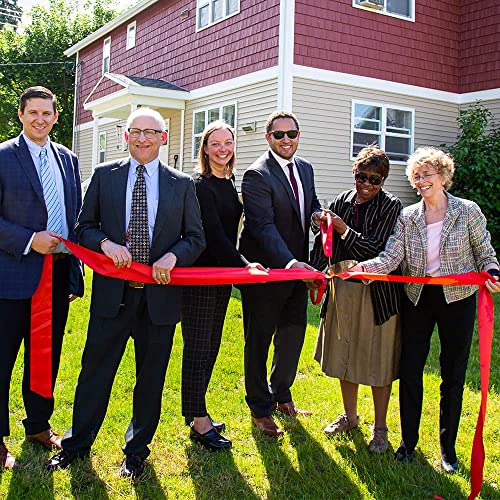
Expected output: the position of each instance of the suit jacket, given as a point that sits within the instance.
(272, 231)
(177, 229)
(464, 246)
(23, 211)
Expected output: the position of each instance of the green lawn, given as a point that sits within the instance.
(305, 464)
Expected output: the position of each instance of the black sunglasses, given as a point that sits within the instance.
(374, 180)
(279, 134)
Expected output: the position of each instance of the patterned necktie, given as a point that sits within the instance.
(138, 229)
(293, 182)
(52, 202)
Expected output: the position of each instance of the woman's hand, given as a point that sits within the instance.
(256, 265)
(493, 284)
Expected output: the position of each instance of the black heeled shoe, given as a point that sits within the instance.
(218, 426)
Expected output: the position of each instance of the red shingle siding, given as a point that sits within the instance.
(479, 45)
(169, 48)
(336, 36)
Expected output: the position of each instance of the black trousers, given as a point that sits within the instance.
(203, 313)
(455, 323)
(104, 348)
(15, 324)
(272, 312)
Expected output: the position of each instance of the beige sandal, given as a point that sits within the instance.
(341, 424)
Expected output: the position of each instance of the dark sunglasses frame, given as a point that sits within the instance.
(279, 134)
(374, 180)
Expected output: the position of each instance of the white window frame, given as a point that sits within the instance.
(203, 3)
(383, 129)
(101, 152)
(206, 109)
(131, 43)
(411, 17)
(106, 55)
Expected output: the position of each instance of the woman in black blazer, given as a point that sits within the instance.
(204, 307)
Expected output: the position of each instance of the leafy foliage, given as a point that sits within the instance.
(477, 160)
(10, 13)
(36, 57)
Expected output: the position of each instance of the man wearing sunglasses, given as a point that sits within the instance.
(279, 201)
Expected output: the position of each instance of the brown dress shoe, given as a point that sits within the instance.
(7, 461)
(291, 410)
(268, 426)
(48, 438)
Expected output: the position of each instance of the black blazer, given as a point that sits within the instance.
(177, 229)
(272, 230)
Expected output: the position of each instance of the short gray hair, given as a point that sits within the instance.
(146, 112)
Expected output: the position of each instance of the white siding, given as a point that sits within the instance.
(324, 111)
(254, 103)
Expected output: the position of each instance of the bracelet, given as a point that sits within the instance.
(345, 233)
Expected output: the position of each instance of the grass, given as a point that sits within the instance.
(305, 464)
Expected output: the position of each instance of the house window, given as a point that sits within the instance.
(102, 147)
(398, 8)
(212, 11)
(131, 35)
(106, 54)
(391, 127)
(202, 117)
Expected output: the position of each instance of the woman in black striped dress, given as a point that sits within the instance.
(358, 340)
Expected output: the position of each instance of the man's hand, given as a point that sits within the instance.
(257, 265)
(162, 268)
(45, 242)
(319, 217)
(119, 254)
(303, 265)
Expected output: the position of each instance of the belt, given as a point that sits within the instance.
(135, 284)
(59, 256)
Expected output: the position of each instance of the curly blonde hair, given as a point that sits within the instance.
(442, 162)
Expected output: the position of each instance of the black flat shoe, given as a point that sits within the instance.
(218, 426)
(447, 467)
(402, 455)
(62, 459)
(211, 440)
(132, 466)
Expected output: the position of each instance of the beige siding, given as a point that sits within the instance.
(84, 142)
(174, 134)
(253, 104)
(324, 111)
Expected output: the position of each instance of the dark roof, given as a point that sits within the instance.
(158, 84)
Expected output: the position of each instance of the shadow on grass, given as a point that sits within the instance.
(147, 485)
(287, 481)
(385, 478)
(29, 478)
(215, 474)
(85, 483)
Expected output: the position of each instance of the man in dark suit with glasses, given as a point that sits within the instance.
(279, 201)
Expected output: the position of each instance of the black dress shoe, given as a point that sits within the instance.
(62, 459)
(402, 455)
(448, 467)
(218, 426)
(211, 440)
(132, 466)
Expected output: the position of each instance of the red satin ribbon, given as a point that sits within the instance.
(41, 333)
(327, 235)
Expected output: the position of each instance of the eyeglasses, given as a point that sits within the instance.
(423, 177)
(374, 180)
(149, 133)
(279, 134)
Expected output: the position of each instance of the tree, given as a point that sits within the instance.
(477, 160)
(36, 57)
(10, 13)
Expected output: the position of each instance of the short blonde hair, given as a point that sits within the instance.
(442, 162)
(203, 166)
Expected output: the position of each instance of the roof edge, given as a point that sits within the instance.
(103, 30)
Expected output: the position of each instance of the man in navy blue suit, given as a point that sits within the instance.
(40, 197)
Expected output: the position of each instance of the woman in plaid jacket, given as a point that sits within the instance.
(438, 236)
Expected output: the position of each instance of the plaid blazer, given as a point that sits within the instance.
(465, 246)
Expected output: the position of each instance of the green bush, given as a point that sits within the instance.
(477, 155)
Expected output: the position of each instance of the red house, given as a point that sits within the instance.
(396, 72)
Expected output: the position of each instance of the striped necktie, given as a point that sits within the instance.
(52, 202)
(138, 228)
(294, 184)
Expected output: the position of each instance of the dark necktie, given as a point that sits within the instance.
(293, 182)
(138, 229)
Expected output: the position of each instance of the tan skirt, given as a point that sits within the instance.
(350, 345)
